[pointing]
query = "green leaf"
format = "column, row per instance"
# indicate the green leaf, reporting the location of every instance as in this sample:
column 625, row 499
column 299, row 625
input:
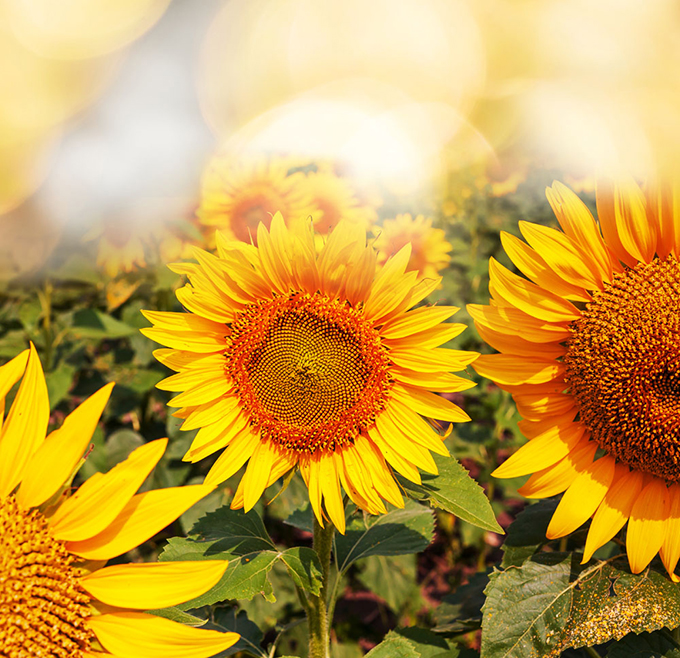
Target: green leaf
column 455, row 491
column 229, row 620
column 526, row 534
column 526, row 609
column 302, row 519
column 304, row 567
column 393, row 646
column 461, row 611
column 645, row 645
column 29, row 313
column 59, row 383
column 175, row 614
column 91, row 323
column 426, row 643
column 237, row 533
column 393, row 579
column 552, row 603
column 400, row 531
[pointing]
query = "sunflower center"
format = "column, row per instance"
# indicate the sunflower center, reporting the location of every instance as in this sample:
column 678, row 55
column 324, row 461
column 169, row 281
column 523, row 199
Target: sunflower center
column 623, row 367
column 311, row 371
column 250, row 212
column 42, row 607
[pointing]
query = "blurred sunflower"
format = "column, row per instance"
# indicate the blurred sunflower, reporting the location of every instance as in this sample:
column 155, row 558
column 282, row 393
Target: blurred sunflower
column 333, row 199
column 590, row 350
column 120, row 246
column 56, row 596
column 240, row 193
column 291, row 357
column 430, row 251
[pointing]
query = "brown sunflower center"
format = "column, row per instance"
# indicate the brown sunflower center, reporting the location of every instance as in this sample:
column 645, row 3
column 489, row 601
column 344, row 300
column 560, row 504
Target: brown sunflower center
column 42, row 607
column 311, row 371
column 623, row 367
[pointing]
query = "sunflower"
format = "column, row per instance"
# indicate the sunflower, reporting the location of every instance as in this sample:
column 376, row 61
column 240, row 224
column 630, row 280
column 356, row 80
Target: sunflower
column 56, row 596
column 333, row 199
column 430, row 251
column 120, row 247
column 240, row 193
column 291, row 357
column 590, row 350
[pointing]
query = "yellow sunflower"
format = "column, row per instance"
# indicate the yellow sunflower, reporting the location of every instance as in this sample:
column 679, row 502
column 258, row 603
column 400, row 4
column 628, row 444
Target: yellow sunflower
column 240, row 193
column 430, row 251
column 590, row 350
column 56, row 596
column 291, row 357
column 333, row 199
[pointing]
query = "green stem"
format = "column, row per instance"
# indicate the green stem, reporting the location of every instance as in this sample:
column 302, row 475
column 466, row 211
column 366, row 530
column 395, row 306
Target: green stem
column 592, row 653
column 317, row 614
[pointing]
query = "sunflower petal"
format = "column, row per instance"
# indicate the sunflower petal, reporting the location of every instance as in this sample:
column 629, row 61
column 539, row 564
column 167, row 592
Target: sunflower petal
column 59, row 454
column 647, row 524
column 26, row 424
column 614, row 510
column 582, row 497
column 134, row 634
column 150, row 585
column 99, row 500
column 145, row 515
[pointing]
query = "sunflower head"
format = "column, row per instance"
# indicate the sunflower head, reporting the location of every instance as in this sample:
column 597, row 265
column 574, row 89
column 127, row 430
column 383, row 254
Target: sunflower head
column 240, row 193
column 589, row 348
column 430, row 250
column 334, row 199
column 294, row 357
column 56, row 596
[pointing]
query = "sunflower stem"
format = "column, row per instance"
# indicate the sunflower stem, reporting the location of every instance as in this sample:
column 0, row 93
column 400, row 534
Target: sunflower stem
column 317, row 614
column 592, row 653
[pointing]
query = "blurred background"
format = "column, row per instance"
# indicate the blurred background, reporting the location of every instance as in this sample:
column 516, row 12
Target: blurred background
column 131, row 129
column 111, row 109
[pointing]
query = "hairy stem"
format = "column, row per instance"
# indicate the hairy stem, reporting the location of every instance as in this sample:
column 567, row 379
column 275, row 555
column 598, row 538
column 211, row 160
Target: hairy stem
column 317, row 614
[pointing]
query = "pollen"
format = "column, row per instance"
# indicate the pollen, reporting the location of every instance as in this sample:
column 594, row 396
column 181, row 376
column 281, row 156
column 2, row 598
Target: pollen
column 310, row 370
column 623, row 367
column 43, row 609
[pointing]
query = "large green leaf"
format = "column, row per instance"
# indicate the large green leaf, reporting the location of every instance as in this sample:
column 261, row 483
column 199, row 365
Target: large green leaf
column 552, row 603
column 237, row 532
column 454, row 491
column 400, row 531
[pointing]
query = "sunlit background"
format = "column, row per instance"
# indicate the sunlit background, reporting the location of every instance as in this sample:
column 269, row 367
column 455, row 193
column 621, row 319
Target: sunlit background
column 110, row 109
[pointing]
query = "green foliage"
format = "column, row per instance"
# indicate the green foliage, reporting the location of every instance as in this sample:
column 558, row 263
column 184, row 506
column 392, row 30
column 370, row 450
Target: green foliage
column 551, row 603
column 400, row 531
column 455, row 491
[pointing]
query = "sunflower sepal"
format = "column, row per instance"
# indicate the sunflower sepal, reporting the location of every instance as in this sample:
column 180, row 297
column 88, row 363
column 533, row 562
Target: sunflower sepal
column 453, row 490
